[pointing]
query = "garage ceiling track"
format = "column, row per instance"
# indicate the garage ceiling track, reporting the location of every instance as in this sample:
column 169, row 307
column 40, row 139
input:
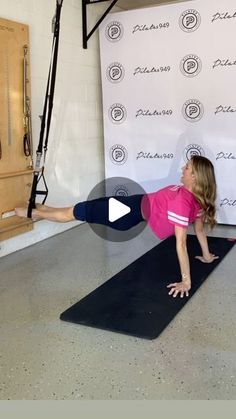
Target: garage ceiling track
column 123, row 4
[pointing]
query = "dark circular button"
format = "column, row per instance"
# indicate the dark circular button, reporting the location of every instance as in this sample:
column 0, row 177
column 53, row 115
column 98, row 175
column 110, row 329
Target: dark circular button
column 118, row 206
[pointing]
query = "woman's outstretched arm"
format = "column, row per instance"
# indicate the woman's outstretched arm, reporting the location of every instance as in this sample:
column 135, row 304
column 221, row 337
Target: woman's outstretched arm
column 184, row 286
column 60, row 215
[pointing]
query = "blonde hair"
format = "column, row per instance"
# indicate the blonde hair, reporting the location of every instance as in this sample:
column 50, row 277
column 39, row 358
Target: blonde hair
column 205, row 186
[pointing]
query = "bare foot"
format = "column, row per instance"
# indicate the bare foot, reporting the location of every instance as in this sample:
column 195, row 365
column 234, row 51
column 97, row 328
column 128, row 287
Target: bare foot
column 21, row 212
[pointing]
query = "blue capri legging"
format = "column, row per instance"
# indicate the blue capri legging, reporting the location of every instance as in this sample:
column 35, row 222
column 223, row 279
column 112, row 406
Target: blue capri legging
column 96, row 211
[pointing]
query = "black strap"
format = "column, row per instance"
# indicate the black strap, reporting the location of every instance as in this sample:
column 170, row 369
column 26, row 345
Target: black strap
column 27, row 144
column 46, row 117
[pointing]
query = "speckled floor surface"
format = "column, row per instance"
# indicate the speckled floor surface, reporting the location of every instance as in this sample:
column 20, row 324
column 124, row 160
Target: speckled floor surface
column 42, row 357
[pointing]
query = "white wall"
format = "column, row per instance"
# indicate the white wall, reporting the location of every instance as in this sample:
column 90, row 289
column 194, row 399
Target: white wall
column 75, row 160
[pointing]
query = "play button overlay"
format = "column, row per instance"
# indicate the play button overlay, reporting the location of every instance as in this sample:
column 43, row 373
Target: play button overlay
column 115, row 211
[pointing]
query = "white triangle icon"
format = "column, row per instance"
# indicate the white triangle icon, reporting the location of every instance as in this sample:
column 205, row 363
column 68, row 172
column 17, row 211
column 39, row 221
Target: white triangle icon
column 117, row 210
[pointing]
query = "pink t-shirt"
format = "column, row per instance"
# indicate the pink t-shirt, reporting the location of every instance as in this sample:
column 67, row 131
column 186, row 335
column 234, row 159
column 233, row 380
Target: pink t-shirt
column 169, row 207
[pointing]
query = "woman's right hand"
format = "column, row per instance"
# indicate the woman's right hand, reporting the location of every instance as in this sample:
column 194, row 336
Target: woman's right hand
column 182, row 288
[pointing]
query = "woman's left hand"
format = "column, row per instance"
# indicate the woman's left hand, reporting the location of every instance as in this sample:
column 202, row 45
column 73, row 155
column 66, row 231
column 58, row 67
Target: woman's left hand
column 210, row 259
column 179, row 287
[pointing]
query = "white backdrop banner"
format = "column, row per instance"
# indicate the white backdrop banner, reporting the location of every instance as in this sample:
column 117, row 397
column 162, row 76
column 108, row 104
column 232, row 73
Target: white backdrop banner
column 168, row 79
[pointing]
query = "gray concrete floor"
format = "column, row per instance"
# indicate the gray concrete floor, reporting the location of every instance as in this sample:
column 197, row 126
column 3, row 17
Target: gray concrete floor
column 42, row 357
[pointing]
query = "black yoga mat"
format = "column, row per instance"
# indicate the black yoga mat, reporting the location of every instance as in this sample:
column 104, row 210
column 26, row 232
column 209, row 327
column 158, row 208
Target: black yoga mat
column 135, row 301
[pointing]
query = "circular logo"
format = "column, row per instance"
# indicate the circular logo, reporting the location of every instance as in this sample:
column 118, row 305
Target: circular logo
column 118, row 154
column 190, row 20
column 191, row 65
column 121, row 190
column 115, row 72
column 193, row 150
column 114, row 31
column 193, row 110
column 117, row 113
column 113, row 209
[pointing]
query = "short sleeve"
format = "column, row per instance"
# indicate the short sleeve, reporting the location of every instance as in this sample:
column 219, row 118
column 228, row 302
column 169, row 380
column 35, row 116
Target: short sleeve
column 179, row 211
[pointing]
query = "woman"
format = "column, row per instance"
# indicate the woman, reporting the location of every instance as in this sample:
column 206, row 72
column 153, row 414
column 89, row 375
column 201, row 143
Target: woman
column 168, row 212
